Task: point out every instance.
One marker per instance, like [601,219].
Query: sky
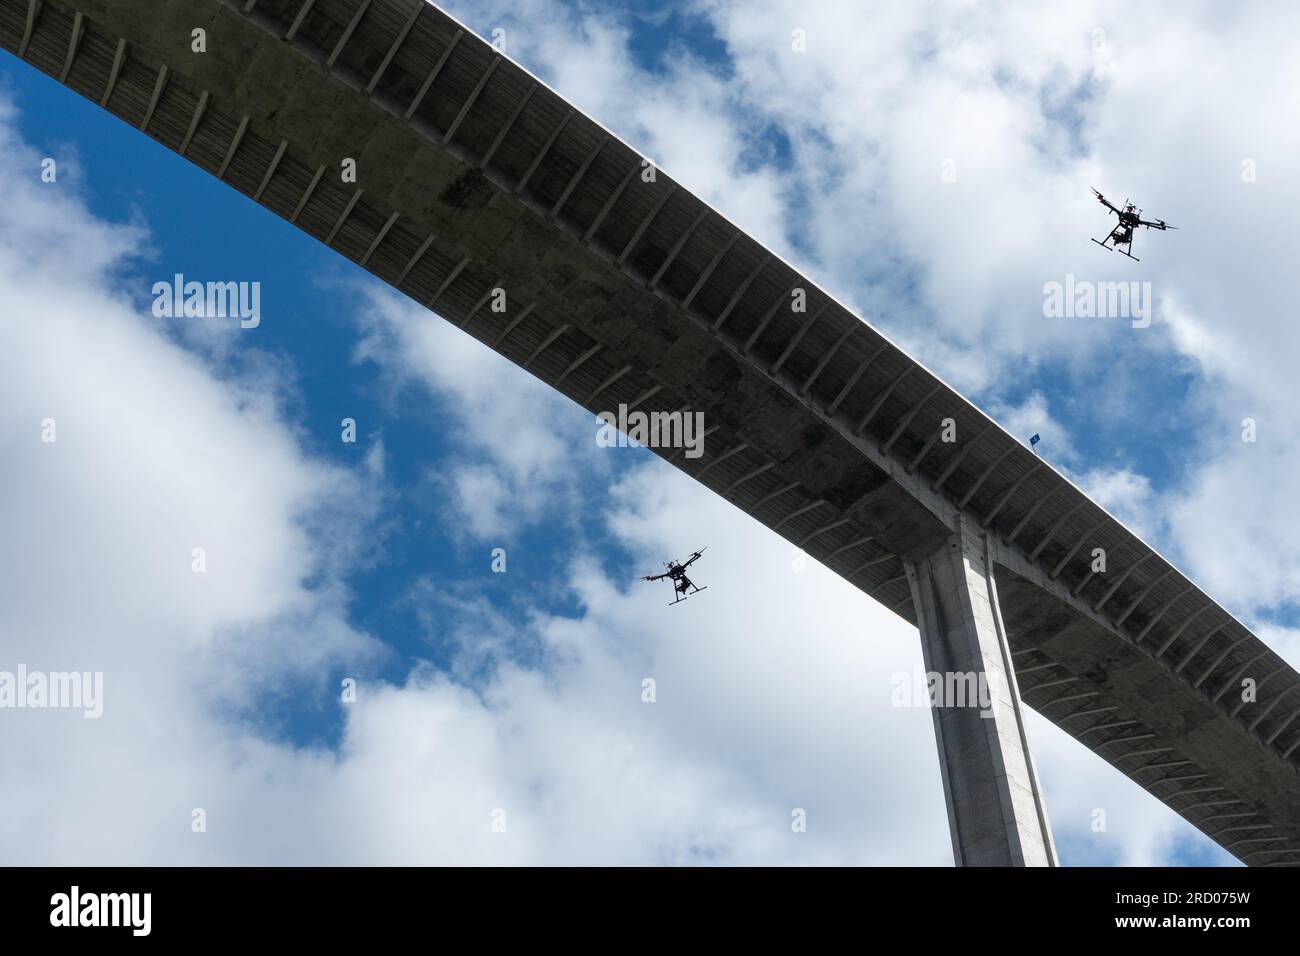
[928,164]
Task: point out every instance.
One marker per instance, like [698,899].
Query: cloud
[1032,417]
[155,464]
[1126,495]
[759,710]
[502,477]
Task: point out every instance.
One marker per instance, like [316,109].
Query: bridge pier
[996,813]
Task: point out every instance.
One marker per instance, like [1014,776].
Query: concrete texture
[995,807]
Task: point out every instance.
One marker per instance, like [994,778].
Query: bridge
[620,287]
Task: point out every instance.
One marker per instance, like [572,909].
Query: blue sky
[201,230]
[523,690]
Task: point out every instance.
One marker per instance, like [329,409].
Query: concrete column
[995,807]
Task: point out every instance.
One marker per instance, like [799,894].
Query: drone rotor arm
[695,557]
[1106,202]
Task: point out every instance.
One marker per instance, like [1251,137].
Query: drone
[1130,217]
[681,583]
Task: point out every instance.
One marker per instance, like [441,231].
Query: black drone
[681,583]
[1130,217]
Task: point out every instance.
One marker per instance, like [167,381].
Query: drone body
[1130,218]
[677,573]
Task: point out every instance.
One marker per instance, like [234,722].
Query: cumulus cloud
[502,478]
[129,464]
[1126,495]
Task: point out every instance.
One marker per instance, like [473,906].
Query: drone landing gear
[1116,249]
[682,597]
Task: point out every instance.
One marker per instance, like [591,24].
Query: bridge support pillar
[995,807]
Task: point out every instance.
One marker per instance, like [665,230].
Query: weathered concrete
[995,808]
[473,176]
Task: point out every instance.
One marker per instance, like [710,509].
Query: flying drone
[677,572]
[1130,217]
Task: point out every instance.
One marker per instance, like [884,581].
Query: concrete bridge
[622,288]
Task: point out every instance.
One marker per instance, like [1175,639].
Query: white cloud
[529,471]
[1126,495]
[1033,417]
[153,458]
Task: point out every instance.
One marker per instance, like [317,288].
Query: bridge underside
[472,177]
